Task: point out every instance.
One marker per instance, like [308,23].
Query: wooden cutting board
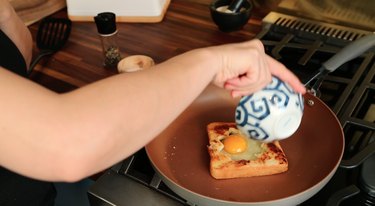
[32,11]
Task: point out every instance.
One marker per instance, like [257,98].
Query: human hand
[244,68]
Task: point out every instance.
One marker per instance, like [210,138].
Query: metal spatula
[52,36]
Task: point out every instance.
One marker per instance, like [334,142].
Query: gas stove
[302,46]
[349,91]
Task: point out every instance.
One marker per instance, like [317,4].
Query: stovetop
[349,92]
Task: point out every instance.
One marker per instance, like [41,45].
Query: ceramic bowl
[135,63]
[228,22]
[273,113]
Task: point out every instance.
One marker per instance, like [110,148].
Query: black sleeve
[10,57]
[14,188]
[17,190]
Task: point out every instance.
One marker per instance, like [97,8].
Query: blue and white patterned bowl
[273,113]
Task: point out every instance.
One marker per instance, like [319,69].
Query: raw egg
[234,144]
[239,147]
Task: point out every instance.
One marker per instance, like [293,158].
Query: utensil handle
[349,52]
[37,59]
[235,6]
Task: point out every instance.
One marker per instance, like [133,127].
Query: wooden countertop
[187,25]
[31,11]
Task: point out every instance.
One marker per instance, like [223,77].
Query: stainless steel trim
[354,14]
[312,26]
[113,189]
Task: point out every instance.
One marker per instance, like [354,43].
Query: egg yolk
[234,144]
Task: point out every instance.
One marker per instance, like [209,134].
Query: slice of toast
[257,160]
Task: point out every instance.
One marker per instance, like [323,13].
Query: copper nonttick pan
[179,155]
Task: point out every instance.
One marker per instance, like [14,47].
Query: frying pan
[179,155]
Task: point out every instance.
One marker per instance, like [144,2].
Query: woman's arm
[65,137]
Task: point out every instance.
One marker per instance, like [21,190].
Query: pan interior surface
[180,153]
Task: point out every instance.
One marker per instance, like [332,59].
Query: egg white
[252,151]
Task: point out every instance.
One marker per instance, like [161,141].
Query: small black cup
[228,22]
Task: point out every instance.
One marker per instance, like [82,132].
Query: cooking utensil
[51,36]
[235,5]
[349,52]
[179,154]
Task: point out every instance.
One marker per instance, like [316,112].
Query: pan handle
[351,51]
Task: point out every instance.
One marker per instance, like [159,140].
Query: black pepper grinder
[106,25]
